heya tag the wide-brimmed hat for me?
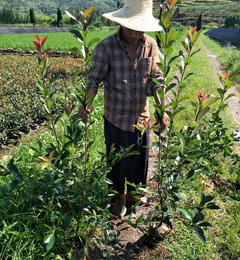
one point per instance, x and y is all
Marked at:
(136, 15)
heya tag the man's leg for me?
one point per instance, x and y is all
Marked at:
(138, 165)
(117, 175)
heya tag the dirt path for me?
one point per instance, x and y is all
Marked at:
(233, 102)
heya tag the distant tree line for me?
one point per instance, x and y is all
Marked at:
(9, 16)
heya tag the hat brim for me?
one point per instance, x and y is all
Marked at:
(146, 23)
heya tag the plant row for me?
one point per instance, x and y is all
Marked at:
(21, 106)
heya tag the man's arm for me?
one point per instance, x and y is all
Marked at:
(84, 113)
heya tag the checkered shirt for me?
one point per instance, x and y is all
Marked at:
(127, 81)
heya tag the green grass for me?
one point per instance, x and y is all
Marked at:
(56, 41)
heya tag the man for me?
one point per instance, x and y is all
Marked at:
(126, 63)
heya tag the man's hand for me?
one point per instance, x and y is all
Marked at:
(164, 122)
(84, 114)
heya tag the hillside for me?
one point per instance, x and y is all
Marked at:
(213, 11)
(49, 7)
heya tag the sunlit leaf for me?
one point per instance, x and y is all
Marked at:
(168, 50)
(210, 101)
(188, 214)
(165, 19)
(74, 16)
(88, 12)
(123, 211)
(49, 240)
(172, 35)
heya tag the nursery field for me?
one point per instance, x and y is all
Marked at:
(54, 201)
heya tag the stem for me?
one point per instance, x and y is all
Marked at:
(86, 127)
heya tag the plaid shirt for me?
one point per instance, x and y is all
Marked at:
(127, 80)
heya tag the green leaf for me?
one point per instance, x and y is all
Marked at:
(78, 34)
(205, 224)
(188, 75)
(200, 233)
(58, 180)
(76, 50)
(179, 109)
(89, 58)
(166, 19)
(210, 101)
(93, 41)
(208, 198)
(190, 173)
(176, 12)
(167, 80)
(227, 84)
(123, 211)
(168, 50)
(198, 217)
(195, 36)
(75, 16)
(140, 220)
(181, 195)
(186, 34)
(235, 199)
(88, 12)
(49, 240)
(194, 52)
(212, 206)
(188, 214)
(203, 112)
(57, 119)
(173, 3)
(229, 96)
(15, 182)
(185, 45)
(172, 59)
(53, 79)
(187, 61)
(161, 37)
(161, 66)
(12, 167)
(50, 104)
(172, 85)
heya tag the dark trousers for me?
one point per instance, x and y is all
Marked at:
(134, 167)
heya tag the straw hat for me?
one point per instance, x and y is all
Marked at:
(136, 15)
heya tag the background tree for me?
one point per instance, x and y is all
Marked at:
(32, 17)
(232, 20)
(199, 22)
(59, 17)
